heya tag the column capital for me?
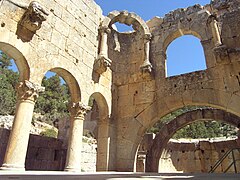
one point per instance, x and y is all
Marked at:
(147, 38)
(78, 109)
(27, 90)
(104, 29)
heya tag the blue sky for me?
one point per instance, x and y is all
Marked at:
(185, 54)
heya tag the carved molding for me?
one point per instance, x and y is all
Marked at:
(146, 67)
(104, 29)
(31, 21)
(29, 91)
(79, 110)
(147, 37)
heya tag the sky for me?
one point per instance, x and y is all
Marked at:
(185, 54)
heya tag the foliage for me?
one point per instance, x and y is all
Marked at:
(54, 101)
(8, 81)
(199, 129)
(49, 132)
(5, 60)
(205, 129)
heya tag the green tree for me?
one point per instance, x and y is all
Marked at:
(52, 103)
(5, 60)
(199, 129)
(8, 81)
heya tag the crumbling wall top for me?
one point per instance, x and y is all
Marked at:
(127, 18)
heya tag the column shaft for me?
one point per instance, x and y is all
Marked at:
(18, 141)
(73, 162)
(103, 145)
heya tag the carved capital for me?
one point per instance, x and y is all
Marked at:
(79, 109)
(104, 29)
(146, 67)
(28, 91)
(31, 21)
(101, 64)
(147, 37)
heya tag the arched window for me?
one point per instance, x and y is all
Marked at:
(122, 28)
(185, 55)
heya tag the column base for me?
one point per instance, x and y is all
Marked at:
(72, 169)
(12, 167)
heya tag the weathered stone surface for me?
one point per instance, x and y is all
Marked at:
(69, 43)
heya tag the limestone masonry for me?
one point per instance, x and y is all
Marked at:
(125, 73)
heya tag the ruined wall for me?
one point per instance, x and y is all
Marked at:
(141, 98)
(49, 154)
(66, 43)
(200, 156)
(136, 96)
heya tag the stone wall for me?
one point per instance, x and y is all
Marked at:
(66, 43)
(134, 92)
(46, 153)
(198, 156)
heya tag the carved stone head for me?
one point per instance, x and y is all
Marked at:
(31, 21)
(34, 16)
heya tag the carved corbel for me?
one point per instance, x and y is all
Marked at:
(146, 66)
(79, 110)
(31, 21)
(29, 91)
(103, 62)
(221, 53)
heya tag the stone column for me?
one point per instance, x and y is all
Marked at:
(103, 145)
(102, 62)
(78, 112)
(147, 66)
(215, 32)
(104, 31)
(18, 141)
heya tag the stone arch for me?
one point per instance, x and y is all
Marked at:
(104, 138)
(21, 62)
(127, 18)
(166, 104)
(168, 130)
(102, 104)
(178, 33)
(71, 81)
(191, 21)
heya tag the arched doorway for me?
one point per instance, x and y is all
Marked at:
(168, 130)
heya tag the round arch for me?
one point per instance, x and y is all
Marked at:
(19, 59)
(162, 138)
(71, 81)
(127, 18)
(178, 33)
(104, 138)
(102, 104)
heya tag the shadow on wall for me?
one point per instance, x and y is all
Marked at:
(44, 153)
(197, 156)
